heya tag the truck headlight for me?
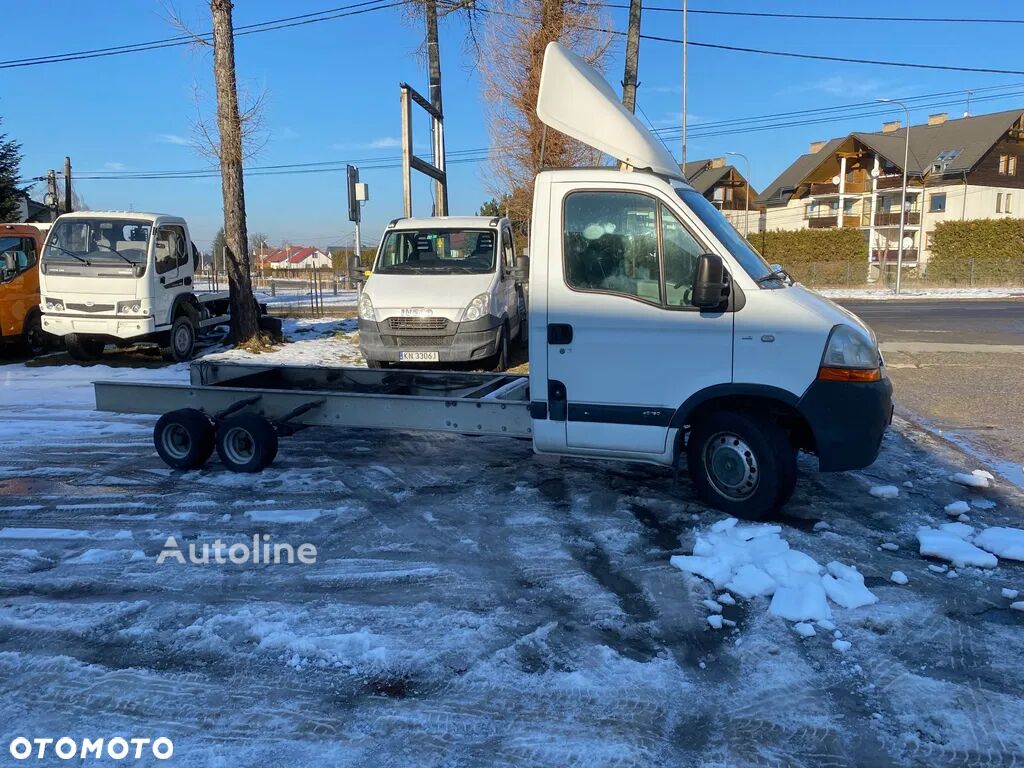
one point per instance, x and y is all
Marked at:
(849, 356)
(132, 307)
(53, 305)
(478, 307)
(366, 307)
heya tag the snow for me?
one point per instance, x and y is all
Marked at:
(884, 491)
(804, 629)
(283, 515)
(726, 599)
(753, 560)
(883, 294)
(326, 341)
(949, 545)
(970, 480)
(63, 534)
(1002, 542)
(957, 508)
(890, 546)
(712, 605)
(842, 645)
(715, 620)
(898, 577)
(1017, 606)
(1010, 594)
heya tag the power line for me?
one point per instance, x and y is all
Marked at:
(815, 16)
(354, 9)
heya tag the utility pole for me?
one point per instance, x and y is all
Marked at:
(68, 207)
(746, 208)
(51, 194)
(629, 82)
(434, 91)
(682, 161)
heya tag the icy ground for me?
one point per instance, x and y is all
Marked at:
(475, 605)
(881, 293)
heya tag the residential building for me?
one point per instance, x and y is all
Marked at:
(967, 168)
(296, 257)
(727, 188)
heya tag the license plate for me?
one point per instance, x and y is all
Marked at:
(418, 357)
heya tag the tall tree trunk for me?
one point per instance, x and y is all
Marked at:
(629, 82)
(244, 321)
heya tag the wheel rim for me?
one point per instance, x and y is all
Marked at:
(731, 466)
(36, 342)
(176, 441)
(239, 446)
(182, 339)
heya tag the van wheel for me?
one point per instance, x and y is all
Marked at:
(34, 338)
(377, 363)
(246, 442)
(181, 341)
(84, 348)
(741, 463)
(184, 438)
(501, 356)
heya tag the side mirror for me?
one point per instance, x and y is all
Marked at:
(522, 270)
(711, 286)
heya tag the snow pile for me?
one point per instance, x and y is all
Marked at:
(1007, 543)
(898, 577)
(957, 508)
(884, 491)
(961, 545)
(979, 478)
(753, 560)
(1010, 594)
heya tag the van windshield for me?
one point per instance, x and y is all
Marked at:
(98, 241)
(437, 251)
(751, 261)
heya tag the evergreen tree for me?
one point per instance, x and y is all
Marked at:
(10, 193)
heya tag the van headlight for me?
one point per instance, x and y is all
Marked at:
(131, 307)
(478, 307)
(849, 356)
(366, 307)
(53, 305)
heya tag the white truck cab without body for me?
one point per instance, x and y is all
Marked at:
(443, 290)
(124, 277)
(657, 334)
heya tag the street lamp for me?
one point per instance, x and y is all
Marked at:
(746, 209)
(903, 201)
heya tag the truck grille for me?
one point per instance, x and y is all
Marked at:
(418, 323)
(422, 341)
(90, 307)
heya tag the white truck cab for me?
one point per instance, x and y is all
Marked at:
(445, 289)
(124, 277)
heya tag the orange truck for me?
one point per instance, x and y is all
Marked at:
(20, 320)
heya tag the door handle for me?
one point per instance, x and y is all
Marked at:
(559, 333)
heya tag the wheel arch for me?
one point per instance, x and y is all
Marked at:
(185, 303)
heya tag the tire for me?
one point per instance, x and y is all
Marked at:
(184, 438)
(741, 463)
(85, 349)
(181, 340)
(34, 339)
(377, 363)
(246, 442)
(502, 355)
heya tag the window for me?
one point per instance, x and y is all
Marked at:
(1003, 162)
(1007, 165)
(749, 259)
(509, 250)
(1007, 203)
(610, 244)
(437, 252)
(681, 252)
(937, 202)
(17, 255)
(170, 249)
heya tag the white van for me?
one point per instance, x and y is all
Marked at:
(443, 290)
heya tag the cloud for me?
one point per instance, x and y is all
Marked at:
(115, 167)
(383, 142)
(173, 138)
(843, 85)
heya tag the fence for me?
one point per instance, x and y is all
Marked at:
(320, 292)
(969, 274)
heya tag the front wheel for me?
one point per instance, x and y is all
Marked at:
(34, 338)
(741, 463)
(85, 349)
(181, 342)
(501, 357)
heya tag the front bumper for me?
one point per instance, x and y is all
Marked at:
(113, 327)
(457, 342)
(848, 420)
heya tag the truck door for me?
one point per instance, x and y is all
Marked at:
(170, 260)
(625, 348)
(19, 285)
(510, 290)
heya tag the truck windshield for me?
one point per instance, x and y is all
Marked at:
(738, 247)
(437, 251)
(100, 241)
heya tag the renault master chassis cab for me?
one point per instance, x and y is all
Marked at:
(657, 335)
(443, 290)
(124, 277)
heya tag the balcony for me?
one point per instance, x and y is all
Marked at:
(829, 222)
(852, 188)
(913, 219)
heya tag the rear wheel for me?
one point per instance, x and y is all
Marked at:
(246, 442)
(84, 348)
(502, 354)
(741, 463)
(181, 341)
(34, 338)
(184, 438)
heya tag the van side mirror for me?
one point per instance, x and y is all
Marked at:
(522, 270)
(711, 286)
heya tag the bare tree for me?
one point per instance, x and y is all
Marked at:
(244, 319)
(516, 35)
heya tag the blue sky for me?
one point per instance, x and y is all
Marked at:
(333, 95)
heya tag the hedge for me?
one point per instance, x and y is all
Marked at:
(990, 250)
(816, 256)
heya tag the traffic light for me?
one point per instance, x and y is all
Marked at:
(352, 174)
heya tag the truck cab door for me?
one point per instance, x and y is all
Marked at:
(624, 346)
(170, 255)
(510, 290)
(19, 283)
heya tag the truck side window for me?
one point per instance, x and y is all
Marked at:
(681, 253)
(509, 250)
(610, 244)
(170, 249)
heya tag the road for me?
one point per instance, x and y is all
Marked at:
(956, 367)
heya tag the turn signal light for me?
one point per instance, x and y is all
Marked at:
(849, 374)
